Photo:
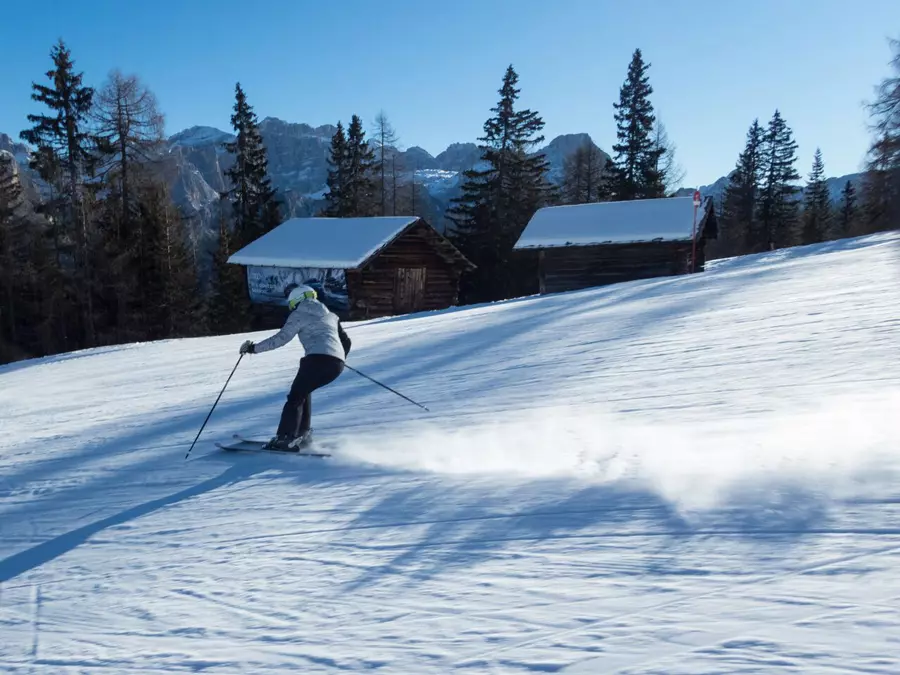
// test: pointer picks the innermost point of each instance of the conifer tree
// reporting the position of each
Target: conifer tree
(636, 155)
(175, 309)
(778, 204)
(338, 170)
(228, 309)
(740, 230)
(10, 188)
(10, 200)
(498, 200)
(360, 185)
(64, 156)
(63, 135)
(256, 209)
(817, 204)
(846, 218)
(351, 175)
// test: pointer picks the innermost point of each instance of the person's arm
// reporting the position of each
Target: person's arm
(345, 339)
(286, 334)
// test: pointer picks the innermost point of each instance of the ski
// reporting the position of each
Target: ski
(241, 444)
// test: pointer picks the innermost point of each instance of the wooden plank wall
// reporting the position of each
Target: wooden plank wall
(372, 288)
(575, 267)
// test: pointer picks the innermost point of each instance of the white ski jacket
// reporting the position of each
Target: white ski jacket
(317, 328)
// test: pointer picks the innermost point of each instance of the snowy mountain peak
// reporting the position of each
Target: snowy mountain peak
(200, 135)
(277, 126)
(20, 151)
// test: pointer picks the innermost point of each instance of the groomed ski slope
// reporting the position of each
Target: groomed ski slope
(686, 475)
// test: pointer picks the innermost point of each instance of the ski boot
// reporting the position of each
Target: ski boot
(288, 444)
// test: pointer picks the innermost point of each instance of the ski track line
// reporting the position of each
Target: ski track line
(284, 618)
(812, 617)
(658, 658)
(886, 532)
(476, 659)
(404, 612)
(436, 521)
(296, 619)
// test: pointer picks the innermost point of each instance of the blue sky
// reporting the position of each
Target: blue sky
(435, 68)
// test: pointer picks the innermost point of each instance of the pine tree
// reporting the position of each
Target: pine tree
(33, 312)
(846, 219)
(636, 155)
(817, 204)
(228, 309)
(10, 188)
(778, 205)
(10, 201)
(497, 201)
(176, 307)
(64, 156)
(336, 197)
(740, 229)
(360, 185)
(256, 209)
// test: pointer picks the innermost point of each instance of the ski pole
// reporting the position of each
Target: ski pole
(386, 387)
(214, 406)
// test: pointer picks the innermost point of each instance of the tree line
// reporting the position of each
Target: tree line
(762, 210)
(107, 256)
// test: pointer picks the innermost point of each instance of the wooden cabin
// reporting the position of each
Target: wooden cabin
(587, 245)
(362, 268)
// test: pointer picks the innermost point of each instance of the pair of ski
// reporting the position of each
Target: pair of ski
(241, 444)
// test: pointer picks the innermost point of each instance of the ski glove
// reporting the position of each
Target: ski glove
(248, 347)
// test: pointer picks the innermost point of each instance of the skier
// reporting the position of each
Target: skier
(326, 345)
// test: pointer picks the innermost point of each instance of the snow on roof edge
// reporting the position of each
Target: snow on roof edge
(566, 232)
(241, 257)
(535, 243)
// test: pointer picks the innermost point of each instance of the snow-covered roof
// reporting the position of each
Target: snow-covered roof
(642, 220)
(334, 243)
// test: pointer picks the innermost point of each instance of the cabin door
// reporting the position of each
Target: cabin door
(409, 289)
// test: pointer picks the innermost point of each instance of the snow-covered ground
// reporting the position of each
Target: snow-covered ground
(688, 475)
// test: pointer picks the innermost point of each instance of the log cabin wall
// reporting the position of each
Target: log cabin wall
(575, 267)
(413, 273)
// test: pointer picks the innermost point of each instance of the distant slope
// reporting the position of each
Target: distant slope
(686, 475)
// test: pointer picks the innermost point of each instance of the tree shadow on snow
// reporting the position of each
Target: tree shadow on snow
(456, 526)
(460, 527)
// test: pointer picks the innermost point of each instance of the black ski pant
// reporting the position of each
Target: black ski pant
(316, 370)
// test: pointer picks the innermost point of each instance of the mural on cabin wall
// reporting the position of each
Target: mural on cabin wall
(267, 284)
